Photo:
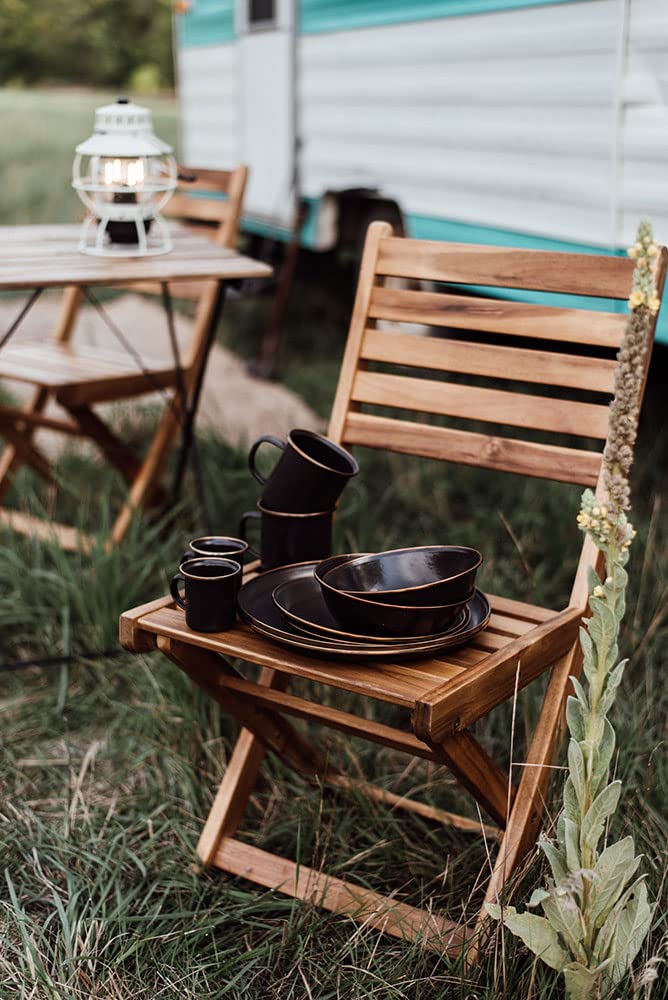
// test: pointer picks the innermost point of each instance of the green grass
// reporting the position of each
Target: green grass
(108, 767)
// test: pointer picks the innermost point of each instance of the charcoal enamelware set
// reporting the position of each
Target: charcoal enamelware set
(401, 603)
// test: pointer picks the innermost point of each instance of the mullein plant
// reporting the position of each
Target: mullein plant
(596, 911)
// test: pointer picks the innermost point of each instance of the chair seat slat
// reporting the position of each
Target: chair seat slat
(542, 367)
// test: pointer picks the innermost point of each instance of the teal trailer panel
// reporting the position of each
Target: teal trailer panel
(343, 15)
(208, 22)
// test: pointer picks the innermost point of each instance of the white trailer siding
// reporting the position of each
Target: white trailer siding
(643, 174)
(503, 119)
(208, 83)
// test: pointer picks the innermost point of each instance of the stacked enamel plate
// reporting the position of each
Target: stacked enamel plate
(403, 603)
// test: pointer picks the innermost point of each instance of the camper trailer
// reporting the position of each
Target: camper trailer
(541, 123)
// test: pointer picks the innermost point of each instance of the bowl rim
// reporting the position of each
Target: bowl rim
(379, 604)
(417, 587)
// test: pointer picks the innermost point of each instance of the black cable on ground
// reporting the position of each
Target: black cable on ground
(54, 661)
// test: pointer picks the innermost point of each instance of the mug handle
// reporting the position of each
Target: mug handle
(174, 589)
(254, 515)
(268, 439)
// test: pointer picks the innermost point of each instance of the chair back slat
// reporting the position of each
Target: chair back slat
(552, 369)
(538, 270)
(189, 201)
(490, 360)
(450, 399)
(521, 319)
(527, 458)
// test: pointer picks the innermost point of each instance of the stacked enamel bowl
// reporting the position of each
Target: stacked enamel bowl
(388, 605)
(403, 592)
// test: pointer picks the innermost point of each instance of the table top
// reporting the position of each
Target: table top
(48, 257)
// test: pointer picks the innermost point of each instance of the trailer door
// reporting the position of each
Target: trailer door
(267, 119)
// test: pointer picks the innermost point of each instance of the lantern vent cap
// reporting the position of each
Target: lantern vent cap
(123, 129)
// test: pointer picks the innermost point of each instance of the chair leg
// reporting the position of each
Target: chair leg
(479, 774)
(528, 809)
(149, 471)
(237, 784)
(11, 456)
(270, 727)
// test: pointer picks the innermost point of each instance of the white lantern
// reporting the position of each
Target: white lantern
(124, 175)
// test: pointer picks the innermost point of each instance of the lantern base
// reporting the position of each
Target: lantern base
(138, 238)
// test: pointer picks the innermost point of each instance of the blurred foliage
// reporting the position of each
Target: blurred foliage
(98, 42)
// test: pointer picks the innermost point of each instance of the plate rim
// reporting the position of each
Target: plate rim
(398, 641)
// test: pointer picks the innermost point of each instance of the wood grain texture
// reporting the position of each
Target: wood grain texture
(365, 284)
(544, 461)
(238, 782)
(508, 363)
(398, 683)
(539, 270)
(520, 319)
(528, 808)
(451, 399)
(362, 905)
(459, 703)
(270, 728)
(332, 718)
(479, 774)
(28, 260)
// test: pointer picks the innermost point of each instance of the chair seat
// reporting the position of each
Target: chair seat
(79, 375)
(401, 683)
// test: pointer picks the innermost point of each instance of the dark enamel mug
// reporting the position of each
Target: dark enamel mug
(223, 546)
(211, 586)
(310, 475)
(287, 538)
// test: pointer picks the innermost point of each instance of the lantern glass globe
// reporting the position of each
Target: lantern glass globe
(124, 175)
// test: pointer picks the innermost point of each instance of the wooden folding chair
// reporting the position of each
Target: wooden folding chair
(79, 377)
(570, 351)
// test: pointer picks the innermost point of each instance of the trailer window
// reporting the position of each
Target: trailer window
(261, 13)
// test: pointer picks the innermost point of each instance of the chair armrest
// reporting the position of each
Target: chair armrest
(454, 705)
(130, 633)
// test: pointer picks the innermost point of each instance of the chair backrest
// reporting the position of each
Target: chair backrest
(557, 364)
(226, 212)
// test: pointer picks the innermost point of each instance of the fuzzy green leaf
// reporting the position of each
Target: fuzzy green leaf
(603, 625)
(575, 718)
(588, 653)
(565, 916)
(582, 983)
(555, 858)
(572, 844)
(610, 690)
(601, 808)
(577, 771)
(606, 944)
(616, 865)
(537, 897)
(634, 923)
(580, 692)
(602, 758)
(593, 579)
(572, 809)
(536, 933)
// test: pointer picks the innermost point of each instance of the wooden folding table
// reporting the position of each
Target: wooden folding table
(36, 258)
